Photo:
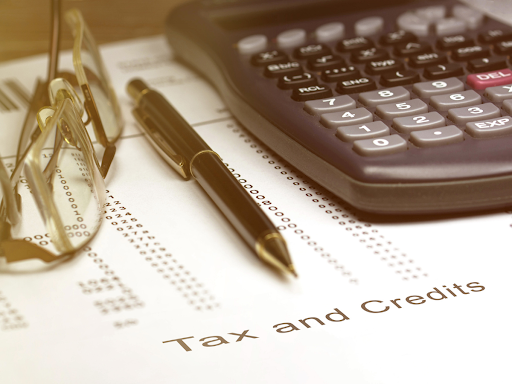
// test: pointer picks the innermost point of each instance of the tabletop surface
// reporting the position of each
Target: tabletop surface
(25, 24)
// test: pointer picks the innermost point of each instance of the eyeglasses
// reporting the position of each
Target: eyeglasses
(62, 171)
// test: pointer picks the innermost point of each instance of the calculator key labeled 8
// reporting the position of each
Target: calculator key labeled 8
(386, 145)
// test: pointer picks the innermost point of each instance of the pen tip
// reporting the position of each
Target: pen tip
(272, 249)
(292, 270)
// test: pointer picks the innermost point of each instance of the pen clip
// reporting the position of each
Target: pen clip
(157, 141)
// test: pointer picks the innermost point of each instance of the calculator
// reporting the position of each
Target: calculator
(397, 107)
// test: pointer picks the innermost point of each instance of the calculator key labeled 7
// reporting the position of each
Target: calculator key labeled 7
(455, 100)
(350, 117)
(406, 108)
(332, 104)
(478, 112)
(352, 133)
(386, 145)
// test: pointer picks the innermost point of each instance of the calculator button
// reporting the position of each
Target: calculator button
(268, 57)
(450, 26)
(472, 17)
(503, 48)
(252, 44)
(350, 117)
(352, 133)
(355, 85)
(447, 43)
(478, 112)
(296, 81)
(332, 104)
(489, 79)
(432, 13)
(455, 100)
(399, 78)
(437, 136)
(398, 37)
(354, 44)
(443, 71)
(405, 108)
(412, 48)
(494, 36)
(490, 128)
(312, 50)
(370, 54)
(417, 123)
(386, 145)
(500, 93)
(507, 106)
(290, 68)
(326, 62)
(382, 96)
(382, 66)
(469, 53)
(291, 38)
(427, 59)
(487, 64)
(312, 92)
(340, 73)
(330, 32)
(411, 22)
(428, 89)
(369, 26)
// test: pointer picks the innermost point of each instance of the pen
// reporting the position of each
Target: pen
(183, 149)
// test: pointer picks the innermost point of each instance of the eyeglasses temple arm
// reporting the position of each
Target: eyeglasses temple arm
(54, 41)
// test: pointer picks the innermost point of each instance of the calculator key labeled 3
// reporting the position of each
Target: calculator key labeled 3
(406, 108)
(350, 117)
(436, 137)
(418, 123)
(490, 128)
(386, 145)
(455, 100)
(352, 133)
(478, 112)
(383, 96)
(333, 104)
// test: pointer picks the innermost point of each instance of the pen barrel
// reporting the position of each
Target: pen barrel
(171, 125)
(231, 198)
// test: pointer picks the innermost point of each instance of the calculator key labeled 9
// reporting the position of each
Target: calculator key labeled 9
(478, 112)
(386, 145)
(455, 100)
(352, 133)
(428, 89)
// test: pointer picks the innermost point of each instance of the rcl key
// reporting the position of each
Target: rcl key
(311, 93)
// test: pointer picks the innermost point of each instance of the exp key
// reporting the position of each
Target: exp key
(490, 128)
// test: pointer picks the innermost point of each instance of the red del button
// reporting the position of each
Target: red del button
(490, 79)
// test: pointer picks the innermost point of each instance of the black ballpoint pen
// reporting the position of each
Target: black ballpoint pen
(190, 156)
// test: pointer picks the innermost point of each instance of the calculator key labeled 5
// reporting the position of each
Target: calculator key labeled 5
(362, 131)
(478, 112)
(332, 104)
(490, 128)
(311, 93)
(350, 117)
(436, 137)
(418, 123)
(406, 108)
(390, 95)
(454, 100)
(489, 79)
(386, 145)
(428, 89)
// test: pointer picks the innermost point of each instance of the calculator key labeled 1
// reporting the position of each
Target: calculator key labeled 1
(350, 117)
(340, 73)
(437, 137)
(386, 145)
(290, 68)
(490, 128)
(352, 133)
(356, 84)
(442, 71)
(455, 100)
(478, 112)
(499, 94)
(311, 93)
(390, 95)
(332, 104)
(406, 108)
(489, 79)
(391, 79)
(421, 122)
(296, 81)
(428, 89)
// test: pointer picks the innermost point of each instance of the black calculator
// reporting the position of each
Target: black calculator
(397, 107)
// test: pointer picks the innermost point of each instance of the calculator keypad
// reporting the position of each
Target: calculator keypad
(383, 92)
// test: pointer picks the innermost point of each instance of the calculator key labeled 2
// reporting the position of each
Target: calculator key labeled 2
(455, 100)
(406, 108)
(418, 123)
(490, 128)
(350, 117)
(386, 145)
(478, 112)
(436, 137)
(390, 95)
(333, 104)
(352, 133)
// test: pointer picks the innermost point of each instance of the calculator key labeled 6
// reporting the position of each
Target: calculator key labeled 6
(490, 128)
(352, 133)
(386, 145)
(478, 112)
(406, 108)
(350, 117)
(455, 100)
(333, 104)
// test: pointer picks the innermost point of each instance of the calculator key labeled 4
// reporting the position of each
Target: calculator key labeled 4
(352, 133)
(350, 117)
(436, 137)
(419, 122)
(386, 145)
(455, 100)
(333, 104)
(406, 108)
(490, 128)
(478, 112)
(390, 95)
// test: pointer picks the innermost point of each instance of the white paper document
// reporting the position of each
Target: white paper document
(167, 292)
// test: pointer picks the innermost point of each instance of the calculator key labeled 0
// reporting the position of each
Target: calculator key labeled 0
(386, 145)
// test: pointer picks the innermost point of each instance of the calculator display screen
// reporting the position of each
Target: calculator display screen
(267, 13)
